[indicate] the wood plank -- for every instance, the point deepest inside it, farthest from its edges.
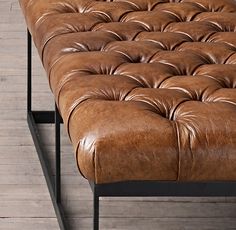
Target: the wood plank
(156, 223)
(29, 223)
(140, 209)
(122, 223)
(124, 209)
(22, 209)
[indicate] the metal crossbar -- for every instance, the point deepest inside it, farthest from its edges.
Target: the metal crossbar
(120, 189)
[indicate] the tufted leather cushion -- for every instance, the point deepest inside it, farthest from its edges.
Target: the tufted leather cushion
(146, 88)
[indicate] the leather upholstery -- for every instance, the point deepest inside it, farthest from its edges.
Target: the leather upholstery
(146, 88)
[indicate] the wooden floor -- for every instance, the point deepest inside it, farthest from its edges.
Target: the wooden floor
(24, 199)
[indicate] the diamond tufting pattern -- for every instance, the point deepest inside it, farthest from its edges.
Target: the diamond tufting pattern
(146, 88)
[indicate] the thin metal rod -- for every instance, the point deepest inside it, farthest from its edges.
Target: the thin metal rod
(29, 71)
(36, 138)
(45, 167)
(95, 211)
(165, 188)
(57, 155)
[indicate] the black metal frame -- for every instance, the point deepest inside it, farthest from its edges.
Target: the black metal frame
(128, 189)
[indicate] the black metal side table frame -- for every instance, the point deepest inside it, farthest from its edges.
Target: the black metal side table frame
(120, 189)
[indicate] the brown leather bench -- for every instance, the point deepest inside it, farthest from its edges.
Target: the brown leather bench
(146, 90)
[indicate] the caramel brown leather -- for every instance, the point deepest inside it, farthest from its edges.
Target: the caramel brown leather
(146, 88)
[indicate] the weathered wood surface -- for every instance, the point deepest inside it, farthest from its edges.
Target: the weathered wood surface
(24, 198)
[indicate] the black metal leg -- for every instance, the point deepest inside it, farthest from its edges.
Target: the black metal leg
(58, 156)
(33, 118)
(95, 211)
(29, 71)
